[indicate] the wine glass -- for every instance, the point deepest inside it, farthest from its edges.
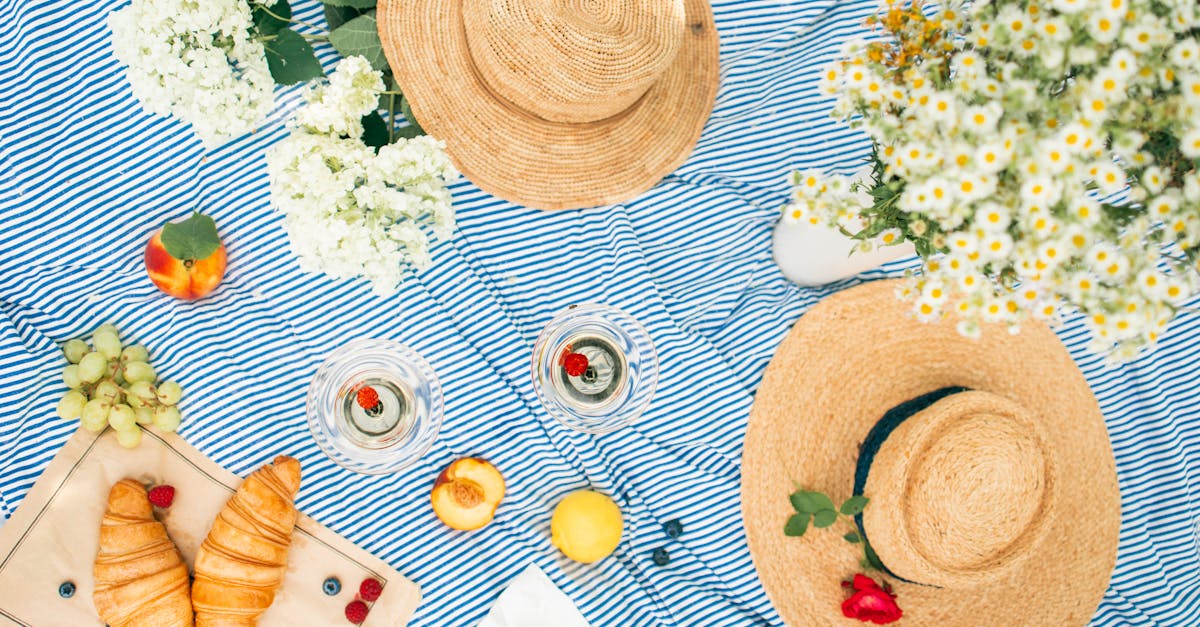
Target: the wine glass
(374, 406)
(595, 368)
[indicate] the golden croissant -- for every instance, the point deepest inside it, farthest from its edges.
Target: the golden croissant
(241, 563)
(140, 578)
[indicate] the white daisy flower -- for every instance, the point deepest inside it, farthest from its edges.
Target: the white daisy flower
(1154, 179)
(1186, 54)
(1108, 177)
(995, 245)
(1104, 27)
(1189, 144)
(992, 217)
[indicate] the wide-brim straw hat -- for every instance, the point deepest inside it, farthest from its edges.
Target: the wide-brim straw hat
(992, 486)
(557, 105)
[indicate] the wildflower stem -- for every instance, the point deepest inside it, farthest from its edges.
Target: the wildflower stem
(290, 19)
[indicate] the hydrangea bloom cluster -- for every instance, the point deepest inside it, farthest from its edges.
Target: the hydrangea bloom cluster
(1041, 155)
(350, 211)
(195, 60)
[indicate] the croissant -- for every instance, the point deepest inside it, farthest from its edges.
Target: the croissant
(140, 578)
(241, 563)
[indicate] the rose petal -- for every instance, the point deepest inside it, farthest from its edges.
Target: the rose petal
(863, 582)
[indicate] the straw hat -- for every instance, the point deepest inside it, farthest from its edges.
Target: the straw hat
(557, 104)
(992, 486)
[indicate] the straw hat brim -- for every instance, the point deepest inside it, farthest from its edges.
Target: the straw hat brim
(529, 160)
(860, 353)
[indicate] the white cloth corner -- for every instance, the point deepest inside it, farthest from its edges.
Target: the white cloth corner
(532, 600)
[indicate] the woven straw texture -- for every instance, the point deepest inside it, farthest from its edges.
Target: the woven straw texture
(1042, 555)
(557, 105)
(961, 491)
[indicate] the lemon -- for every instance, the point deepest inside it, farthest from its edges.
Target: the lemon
(586, 526)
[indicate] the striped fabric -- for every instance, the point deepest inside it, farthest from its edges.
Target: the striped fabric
(87, 176)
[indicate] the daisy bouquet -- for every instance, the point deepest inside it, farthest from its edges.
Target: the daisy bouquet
(1040, 155)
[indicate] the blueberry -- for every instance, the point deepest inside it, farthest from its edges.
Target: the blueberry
(332, 586)
(660, 556)
(66, 589)
(673, 528)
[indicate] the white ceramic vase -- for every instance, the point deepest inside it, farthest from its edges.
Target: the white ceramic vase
(816, 255)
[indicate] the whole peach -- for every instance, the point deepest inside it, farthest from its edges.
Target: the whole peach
(188, 279)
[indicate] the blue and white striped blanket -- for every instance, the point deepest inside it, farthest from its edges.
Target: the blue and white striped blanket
(85, 176)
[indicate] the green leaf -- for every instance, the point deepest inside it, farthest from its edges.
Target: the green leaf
(408, 132)
(796, 525)
(268, 24)
(408, 115)
(336, 16)
(824, 518)
(810, 502)
(291, 59)
(852, 537)
(854, 505)
(375, 130)
(193, 238)
(360, 36)
(356, 4)
(880, 192)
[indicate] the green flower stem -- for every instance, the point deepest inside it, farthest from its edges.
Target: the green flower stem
(392, 93)
(315, 37)
(288, 19)
(391, 116)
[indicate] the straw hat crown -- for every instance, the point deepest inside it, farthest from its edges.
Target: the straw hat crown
(557, 104)
(961, 491)
(573, 61)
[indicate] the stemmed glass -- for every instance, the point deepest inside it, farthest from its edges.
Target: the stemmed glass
(374, 406)
(595, 368)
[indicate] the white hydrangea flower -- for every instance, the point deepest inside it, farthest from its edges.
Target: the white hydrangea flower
(350, 211)
(338, 106)
(196, 61)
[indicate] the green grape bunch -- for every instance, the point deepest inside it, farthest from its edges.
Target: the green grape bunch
(113, 385)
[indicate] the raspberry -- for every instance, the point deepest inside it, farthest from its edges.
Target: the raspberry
(368, 398)
(356, 612)
(369, 590)
(575, 364)
(161, 496)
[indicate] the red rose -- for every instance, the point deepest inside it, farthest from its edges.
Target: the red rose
(870, 603)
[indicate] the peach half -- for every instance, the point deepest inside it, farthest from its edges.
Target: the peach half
(465, 496)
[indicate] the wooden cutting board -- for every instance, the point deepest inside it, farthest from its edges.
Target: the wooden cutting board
(53, 537)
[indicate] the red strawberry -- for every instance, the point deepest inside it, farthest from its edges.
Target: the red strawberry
(161, 496)
(368, 398)
(356, 612)
(369, 590)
